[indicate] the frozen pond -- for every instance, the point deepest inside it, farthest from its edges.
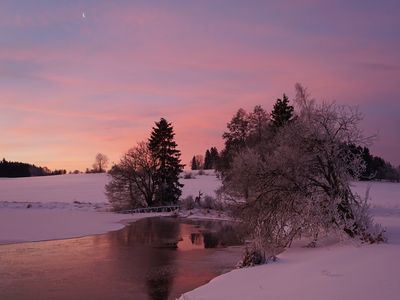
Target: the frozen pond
(156, 258)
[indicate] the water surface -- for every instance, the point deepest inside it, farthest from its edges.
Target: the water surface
(155, 258)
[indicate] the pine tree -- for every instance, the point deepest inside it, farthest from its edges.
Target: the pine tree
(207, 160)
(282, 112)
(214, 157)
(194, 163)
(164, 149)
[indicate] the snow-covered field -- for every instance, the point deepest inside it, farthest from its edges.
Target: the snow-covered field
(74, 205)
(62, 188)
(66, 206)
(337, 269)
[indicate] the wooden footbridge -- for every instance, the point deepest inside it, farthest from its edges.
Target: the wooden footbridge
(169, 208)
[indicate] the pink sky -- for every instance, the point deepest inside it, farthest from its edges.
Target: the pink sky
(71, 86)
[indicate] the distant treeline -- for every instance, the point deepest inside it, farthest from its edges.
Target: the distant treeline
(19, 169)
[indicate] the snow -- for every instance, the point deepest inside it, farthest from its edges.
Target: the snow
(207, 184)
(60, 188)
(23, 225)
(67, 206)
(336, 269)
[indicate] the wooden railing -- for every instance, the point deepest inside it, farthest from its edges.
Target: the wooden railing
(169, 208)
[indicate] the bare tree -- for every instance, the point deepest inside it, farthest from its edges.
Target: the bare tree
(101, 163)
(133, 179)
(298, 180)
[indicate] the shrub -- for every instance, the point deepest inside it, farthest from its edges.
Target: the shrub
(188, 202)
(252, 257)
(189, 175)
(207, 202)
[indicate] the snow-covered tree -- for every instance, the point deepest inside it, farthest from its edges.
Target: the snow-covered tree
(297, 181)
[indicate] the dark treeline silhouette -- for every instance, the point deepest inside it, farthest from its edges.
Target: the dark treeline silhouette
(19, 169)
(376, 168)
(210, 160)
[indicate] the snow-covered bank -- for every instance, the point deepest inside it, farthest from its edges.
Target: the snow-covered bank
(27, 225)
(66, 206)
(337, 270)
(75, 205)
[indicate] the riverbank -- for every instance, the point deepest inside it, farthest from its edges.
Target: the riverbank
(68, 206)
(33, 225)
(59, 207)
(335, 269)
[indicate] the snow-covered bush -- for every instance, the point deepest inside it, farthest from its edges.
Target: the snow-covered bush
(251, 257)
(294, 180)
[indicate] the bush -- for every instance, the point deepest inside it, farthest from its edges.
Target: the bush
(201, 172)
(189, 175)
(252, 257)
(188, 202)
(208, 202)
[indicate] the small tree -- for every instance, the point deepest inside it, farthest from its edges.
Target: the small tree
(101, 163)
(207, 160)
(164, 151)
(194, 165)
(214, 157)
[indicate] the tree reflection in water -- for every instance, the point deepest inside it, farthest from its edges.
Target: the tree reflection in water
(157, 258)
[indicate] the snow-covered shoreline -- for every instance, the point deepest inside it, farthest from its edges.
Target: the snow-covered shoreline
(336, 269)
(32, 225)
(68, 206)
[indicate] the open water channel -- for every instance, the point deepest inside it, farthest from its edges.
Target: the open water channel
(154, 258)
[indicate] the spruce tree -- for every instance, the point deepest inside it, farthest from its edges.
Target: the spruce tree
(164, 150)
(207, 160)
(214, 157)
(282, 112)
(194, 163)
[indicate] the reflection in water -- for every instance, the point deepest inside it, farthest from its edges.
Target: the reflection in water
(157, 258)
(159, 282)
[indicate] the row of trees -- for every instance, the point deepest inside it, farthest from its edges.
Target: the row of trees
(209, 161)
(148, 174)
(19, 169)
(288, 173)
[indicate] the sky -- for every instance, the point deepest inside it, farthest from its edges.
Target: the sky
(82, 77)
